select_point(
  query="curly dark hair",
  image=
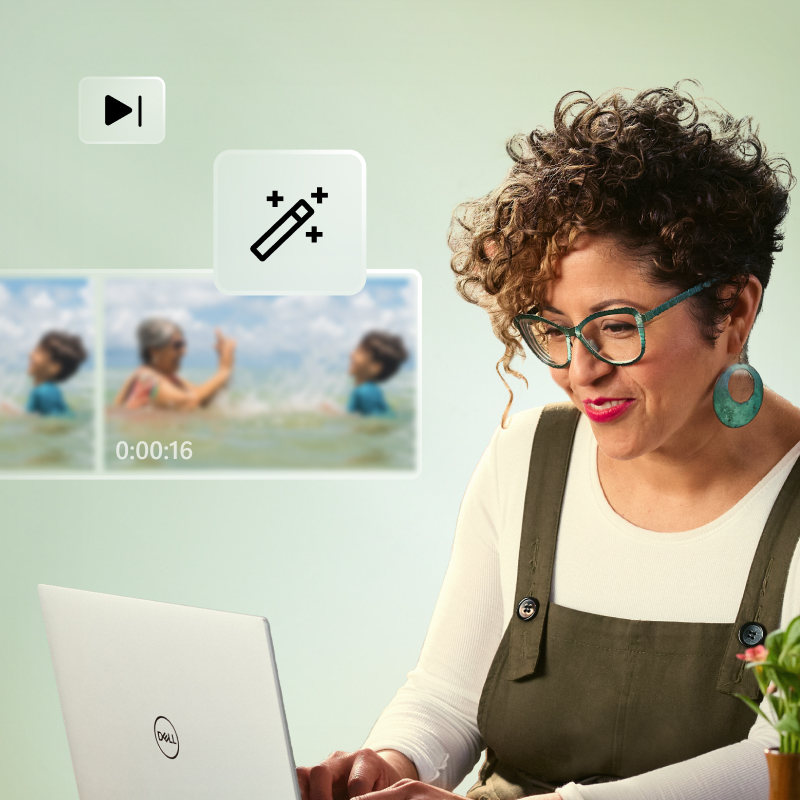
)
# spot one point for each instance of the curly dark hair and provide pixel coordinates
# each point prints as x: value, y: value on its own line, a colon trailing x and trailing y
x: 387, y: 350
x: 678, y: 181
x: 66, y: 350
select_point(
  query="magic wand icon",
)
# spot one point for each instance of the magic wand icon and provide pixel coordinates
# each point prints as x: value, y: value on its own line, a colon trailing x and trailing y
x: 285, y: 227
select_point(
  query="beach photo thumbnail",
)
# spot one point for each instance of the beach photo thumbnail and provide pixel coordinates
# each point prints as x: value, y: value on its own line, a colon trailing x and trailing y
x: 199, y: 380
x: 46, y: 374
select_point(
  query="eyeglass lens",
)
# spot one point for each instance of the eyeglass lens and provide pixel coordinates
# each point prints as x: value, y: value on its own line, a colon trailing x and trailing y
x: 614, y: 337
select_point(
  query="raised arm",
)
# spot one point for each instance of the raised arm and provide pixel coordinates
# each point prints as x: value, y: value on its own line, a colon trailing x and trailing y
x: 189, y: 396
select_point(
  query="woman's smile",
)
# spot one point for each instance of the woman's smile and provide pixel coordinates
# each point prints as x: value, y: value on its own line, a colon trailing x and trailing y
x: 605, y: 409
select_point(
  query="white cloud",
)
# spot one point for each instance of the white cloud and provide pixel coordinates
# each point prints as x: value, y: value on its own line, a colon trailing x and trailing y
x: 155, y: 293
x: 8, y: 328
x: 323, y: 326
x: 31, y: 307
x: 42, y: 300
x: 86, y: 293
x: 363, y: 300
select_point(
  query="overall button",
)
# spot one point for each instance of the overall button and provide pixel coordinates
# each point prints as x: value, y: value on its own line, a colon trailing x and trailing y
x: 528, y: 608
x: 752, y: 634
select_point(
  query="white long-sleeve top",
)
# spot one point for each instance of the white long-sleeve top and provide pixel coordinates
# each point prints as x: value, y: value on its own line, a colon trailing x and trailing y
x: 603, y: 565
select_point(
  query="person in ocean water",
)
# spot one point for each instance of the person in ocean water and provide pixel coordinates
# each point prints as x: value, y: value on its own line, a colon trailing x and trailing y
x: 377, y: 358
x: 55, y: 359
x: 157, y: 384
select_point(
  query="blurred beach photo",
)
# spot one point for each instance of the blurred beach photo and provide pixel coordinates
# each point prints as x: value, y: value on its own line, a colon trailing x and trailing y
x: 46, y: 374
x: 199, y: 380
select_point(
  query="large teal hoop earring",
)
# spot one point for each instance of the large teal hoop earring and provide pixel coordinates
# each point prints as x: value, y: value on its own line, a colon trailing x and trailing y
x: 730, y: 412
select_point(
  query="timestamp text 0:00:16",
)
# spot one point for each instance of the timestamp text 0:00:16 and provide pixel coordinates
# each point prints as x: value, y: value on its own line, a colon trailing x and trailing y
x: 154, y: 450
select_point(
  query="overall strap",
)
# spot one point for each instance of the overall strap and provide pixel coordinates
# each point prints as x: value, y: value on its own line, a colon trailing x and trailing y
x: 763, y: 595
x: 547, y: 477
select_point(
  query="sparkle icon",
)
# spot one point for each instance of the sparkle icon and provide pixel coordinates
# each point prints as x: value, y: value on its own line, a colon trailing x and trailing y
x: 286, y: 226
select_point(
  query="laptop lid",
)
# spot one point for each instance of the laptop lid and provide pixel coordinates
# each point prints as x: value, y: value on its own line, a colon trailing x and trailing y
x: 167, y: 701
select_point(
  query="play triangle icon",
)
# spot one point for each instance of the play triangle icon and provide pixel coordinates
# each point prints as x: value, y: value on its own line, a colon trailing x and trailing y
x: 115, y: 110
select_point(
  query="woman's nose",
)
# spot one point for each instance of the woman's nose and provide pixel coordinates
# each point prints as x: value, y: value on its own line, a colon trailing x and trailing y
x: 584, y: 368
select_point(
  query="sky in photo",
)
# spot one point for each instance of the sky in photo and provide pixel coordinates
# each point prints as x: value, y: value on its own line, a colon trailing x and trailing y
x: 270, y: 331
x: 31, y: 307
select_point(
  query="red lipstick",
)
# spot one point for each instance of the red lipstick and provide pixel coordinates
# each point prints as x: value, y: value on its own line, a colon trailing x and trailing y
x: 610, y: 412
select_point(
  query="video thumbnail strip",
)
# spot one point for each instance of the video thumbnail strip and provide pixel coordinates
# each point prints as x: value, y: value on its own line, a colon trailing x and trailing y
x: 179, y: 381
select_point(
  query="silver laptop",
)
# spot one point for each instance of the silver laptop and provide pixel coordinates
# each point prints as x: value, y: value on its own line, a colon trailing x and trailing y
x: 167, y: 701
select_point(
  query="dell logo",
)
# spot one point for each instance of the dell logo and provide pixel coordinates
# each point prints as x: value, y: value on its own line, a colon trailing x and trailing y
x: 166, y: 737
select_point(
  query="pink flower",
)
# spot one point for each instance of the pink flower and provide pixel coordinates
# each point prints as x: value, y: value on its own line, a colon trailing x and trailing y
x: 758, y: 653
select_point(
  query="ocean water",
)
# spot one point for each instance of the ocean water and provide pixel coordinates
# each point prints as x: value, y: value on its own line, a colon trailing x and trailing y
x: 278, y: 419
x: 31, y: 442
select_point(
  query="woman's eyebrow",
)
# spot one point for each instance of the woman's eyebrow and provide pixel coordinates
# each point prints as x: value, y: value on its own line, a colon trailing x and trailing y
x: 615, y: 302
x: 597, y: 307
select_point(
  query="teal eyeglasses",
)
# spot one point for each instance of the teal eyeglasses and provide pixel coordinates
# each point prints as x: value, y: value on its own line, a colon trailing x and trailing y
x: 615, y: 335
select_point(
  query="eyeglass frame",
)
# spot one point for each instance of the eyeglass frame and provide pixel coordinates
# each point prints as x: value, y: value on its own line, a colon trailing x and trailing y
x: 576, y: 330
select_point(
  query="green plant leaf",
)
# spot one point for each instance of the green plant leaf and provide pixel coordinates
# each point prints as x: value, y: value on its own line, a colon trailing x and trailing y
x: 788, y: 724
x: 774, y: 644
x: 754, y: 706
x: 778, y: 677
x: 785, y: 676
x: 792, y: 633
x: 791, y: 681
x: 790, y: 659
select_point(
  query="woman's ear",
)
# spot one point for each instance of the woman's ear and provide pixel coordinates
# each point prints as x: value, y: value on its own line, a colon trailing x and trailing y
x: 743, y: 315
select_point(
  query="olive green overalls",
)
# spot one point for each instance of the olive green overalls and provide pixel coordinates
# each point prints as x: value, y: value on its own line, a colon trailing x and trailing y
x: 573, y: 696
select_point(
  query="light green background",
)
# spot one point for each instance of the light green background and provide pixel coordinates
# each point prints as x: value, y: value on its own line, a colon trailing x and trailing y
x: 427, y: 92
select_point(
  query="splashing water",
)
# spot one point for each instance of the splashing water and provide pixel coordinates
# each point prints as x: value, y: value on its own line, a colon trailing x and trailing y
x: 30, y: 441
x: 278, y: 418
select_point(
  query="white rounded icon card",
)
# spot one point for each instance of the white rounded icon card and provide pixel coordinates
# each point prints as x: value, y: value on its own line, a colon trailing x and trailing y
x: 290, y: 222
x: 121, y: 111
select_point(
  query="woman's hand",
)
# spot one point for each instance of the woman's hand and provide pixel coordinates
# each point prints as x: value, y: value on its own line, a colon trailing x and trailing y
x: 416, y: 790
x: 344, y: 775
x: 407, y: 789
x: 225, y: 347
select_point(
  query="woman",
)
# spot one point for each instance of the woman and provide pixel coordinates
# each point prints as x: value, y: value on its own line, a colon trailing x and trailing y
x: 612, y: 554
x: 157, y: 384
